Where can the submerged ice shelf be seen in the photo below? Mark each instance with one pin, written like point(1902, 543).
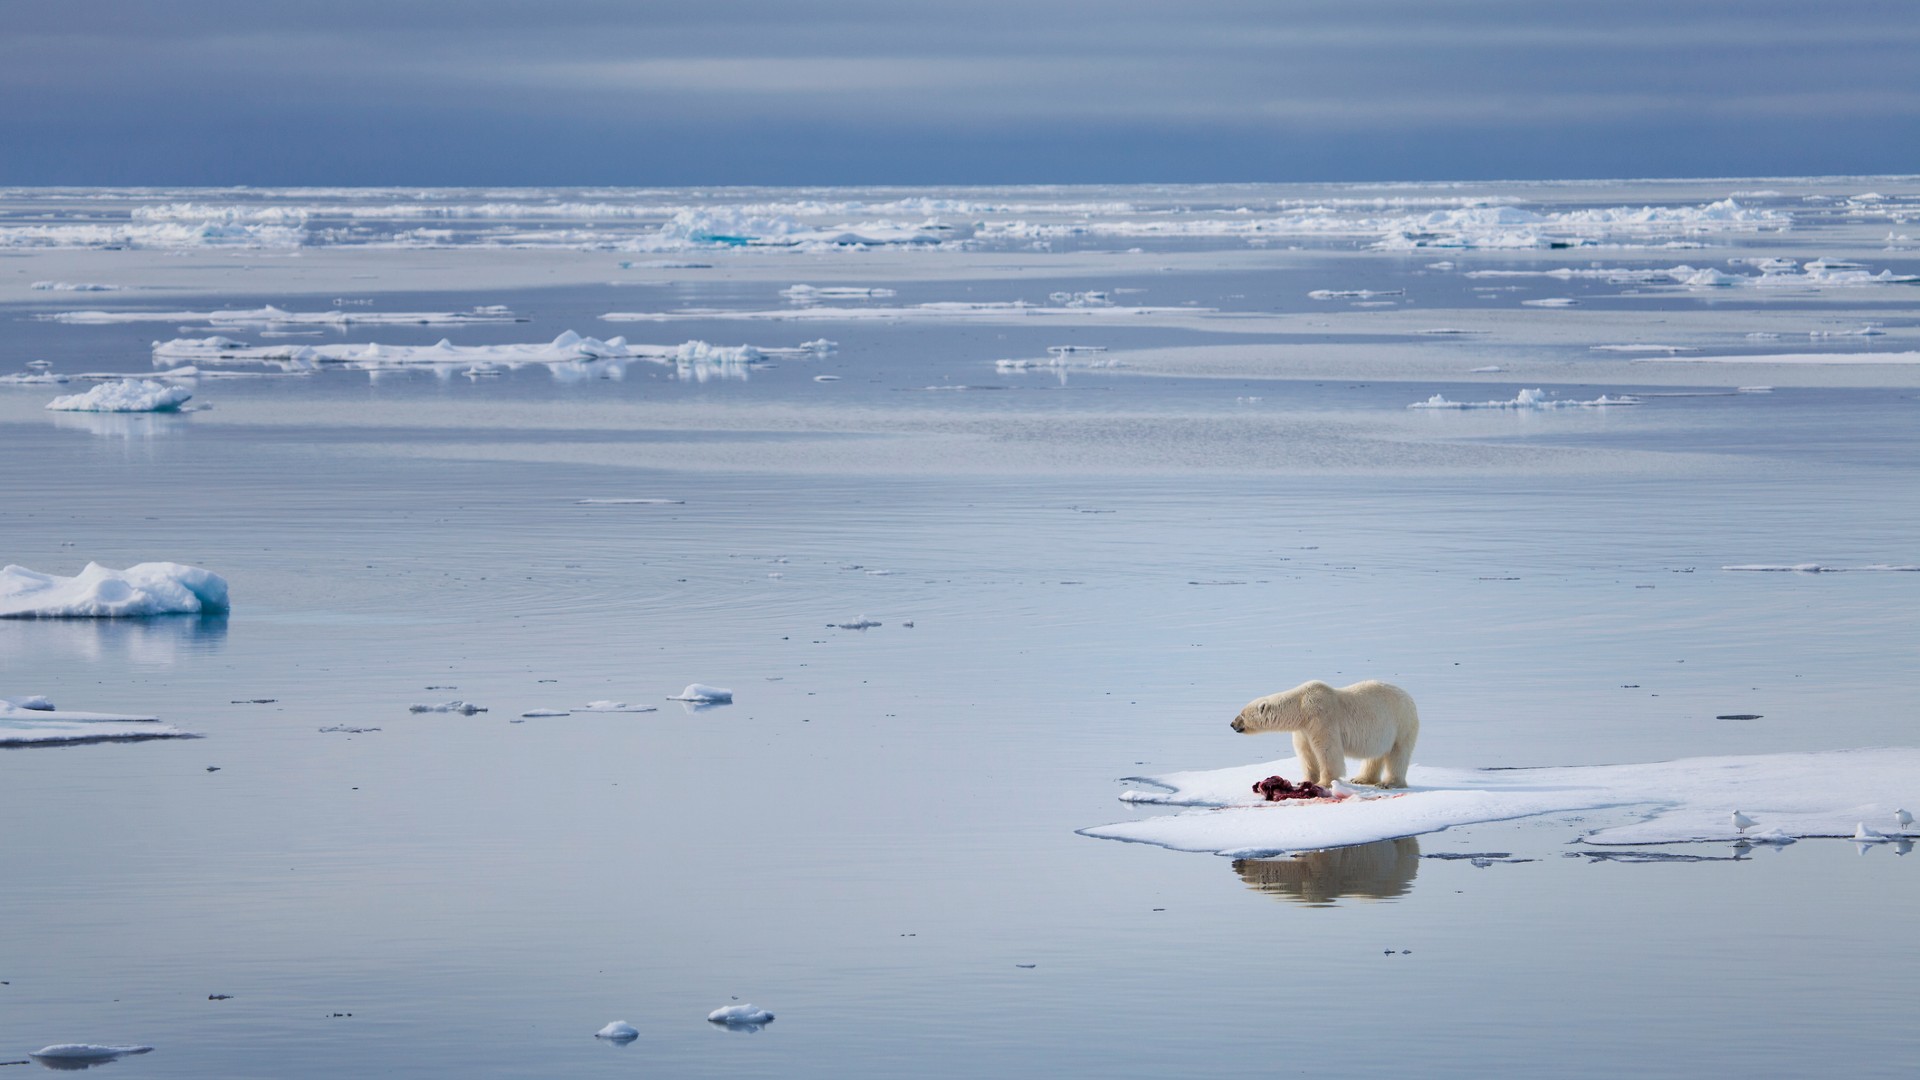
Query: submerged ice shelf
point(1799, 795)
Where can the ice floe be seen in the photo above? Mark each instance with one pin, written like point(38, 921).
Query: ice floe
point(618, 1031)
point(1832, 358)
point(811, 294)
point(568, 350)
point(35, 722)
point(1823, 794)
point(700, 693)
point(152, 588)
point(83, 1055)
point(937, 311)
point(1525, 399)
point(124, 396)
point(614, 707)
point(273, 316)
point(1820, 568)
point(464, 708)
point(744, 1015)
point(74, 286)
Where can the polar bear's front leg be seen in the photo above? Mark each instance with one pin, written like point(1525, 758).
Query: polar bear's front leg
point(1330, 760)
point(1309, 759)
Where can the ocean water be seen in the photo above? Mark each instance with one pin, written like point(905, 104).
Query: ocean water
point(1079, 573)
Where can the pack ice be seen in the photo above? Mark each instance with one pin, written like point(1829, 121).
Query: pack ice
point(153, 588)
point(1827, 794)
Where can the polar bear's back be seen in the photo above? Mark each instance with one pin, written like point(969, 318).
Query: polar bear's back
point(1376, 716)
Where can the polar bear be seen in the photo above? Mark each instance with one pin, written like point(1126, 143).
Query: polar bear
point(1371, 720)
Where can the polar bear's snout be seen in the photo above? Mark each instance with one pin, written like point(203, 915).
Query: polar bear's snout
point(1239, 724)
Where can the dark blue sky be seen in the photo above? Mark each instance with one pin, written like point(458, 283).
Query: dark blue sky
point(951, 91)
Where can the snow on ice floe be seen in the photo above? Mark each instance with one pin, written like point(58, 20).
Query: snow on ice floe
point(1525, 399)
point(1823, 794)
point(124, 395)
point(34, 721)
point(700, 693)
point(744, 1015)
point(618, 1031)
point(83, 1055)
point(153, 588)
point(273, 316)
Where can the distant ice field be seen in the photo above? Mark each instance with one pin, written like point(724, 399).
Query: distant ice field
point(977, 502)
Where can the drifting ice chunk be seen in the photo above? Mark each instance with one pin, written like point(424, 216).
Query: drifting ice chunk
point(124, 395)
point(700, 692)
point(534, 713)
point(618, 1031)
point(1525, 399)
point(1800, 795)
point(740, 1016)
point(615, 706)
point(464, 708)
point(73, 286)
point(158, 588)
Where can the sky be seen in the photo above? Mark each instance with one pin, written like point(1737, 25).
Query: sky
point(665, 92)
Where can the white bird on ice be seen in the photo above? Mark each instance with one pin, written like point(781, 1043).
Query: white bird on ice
point(1905, 819)
point(1742, 821)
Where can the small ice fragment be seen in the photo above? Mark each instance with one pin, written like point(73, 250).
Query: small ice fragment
point(618, 1031)
point(630, 502)
point(41, 703)
point(1864, 835)
point(1771, 836)
point(342, 729)
point(615, 706)
point(1551, 301)
point(826, 378)
point(532, 713)
point(700, 692)
point(861, 623)
point(464, 708)
point(1488, 370)
point(740, 1015)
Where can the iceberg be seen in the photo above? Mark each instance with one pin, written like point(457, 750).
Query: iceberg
point(1824, 794)
point(83, 1055)
point(153, 588)
point(124, 395)
point(35, 722)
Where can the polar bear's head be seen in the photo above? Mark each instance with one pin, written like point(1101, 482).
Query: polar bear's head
point(1290, 710)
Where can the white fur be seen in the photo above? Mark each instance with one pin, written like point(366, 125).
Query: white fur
point(1371, 720)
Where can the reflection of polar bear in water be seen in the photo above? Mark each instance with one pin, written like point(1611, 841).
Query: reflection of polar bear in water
point(1371, 720)
point(1375, 871)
